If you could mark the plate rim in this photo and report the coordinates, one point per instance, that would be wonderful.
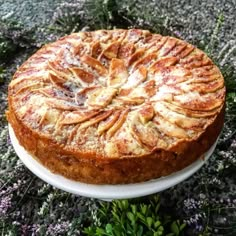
(106, 192)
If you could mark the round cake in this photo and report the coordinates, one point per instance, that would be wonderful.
(117, 106)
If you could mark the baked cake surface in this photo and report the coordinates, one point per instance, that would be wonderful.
(117, 106)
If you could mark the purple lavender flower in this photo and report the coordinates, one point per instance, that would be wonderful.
(8, 140)
(178, 33)
(5, 204)
(57, 229)
(29, 229)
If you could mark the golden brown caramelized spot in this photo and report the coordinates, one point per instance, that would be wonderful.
(163, 62)
(85, 76)
(111, 51)
(57, 80)
(146, 113)
(95, 64)
(118, 73)
(96, 49)
(144, 61)
(126, 50)
(134, 57)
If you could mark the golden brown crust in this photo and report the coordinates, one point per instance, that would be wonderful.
(119, 106)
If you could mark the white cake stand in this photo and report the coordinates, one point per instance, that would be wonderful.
(106, 192)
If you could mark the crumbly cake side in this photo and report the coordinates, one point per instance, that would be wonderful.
(117, 106)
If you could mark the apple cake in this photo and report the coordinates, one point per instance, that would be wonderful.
(117, 106)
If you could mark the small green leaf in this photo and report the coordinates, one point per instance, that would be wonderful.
(125, 204)
(144, 209)
(117, 230)
(115, 216)
(140, 230)
(182, 226)
(159, 233)
(157, 207)
(161, 229)
(134, 209)
(131, 217)
(89, 231)
(156, 198)
(109, 228)
(170, 234)
(157, 224)
(174, 228)
(100, 231)
(141, 217)
(118, 204)
(129, 229)
(149, 222)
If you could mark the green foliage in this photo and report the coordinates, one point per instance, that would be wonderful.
(17, 33)
(229, 74)
(2, 74)
(109, 14)
(214, 39)
(98, 14)
(230, 116)
(68, 19)
(13, 37)
(103, 14)
(125, 217)
(7, 48)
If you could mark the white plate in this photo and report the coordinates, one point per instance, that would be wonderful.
(106, 192)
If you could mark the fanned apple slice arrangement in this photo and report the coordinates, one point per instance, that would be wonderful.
(119, 92)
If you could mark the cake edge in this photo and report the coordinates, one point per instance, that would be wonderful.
(89, 168)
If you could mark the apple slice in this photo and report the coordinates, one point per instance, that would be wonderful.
(101, 116)
(101, 97)
(77, 116)
(83, 75)
(108, 123)
(111, 51)
(118, 73)
(146, 113)
(163, 62)
(118, 124)
(95, 64)
(136, 78)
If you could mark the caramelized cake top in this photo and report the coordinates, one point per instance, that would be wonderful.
(118, 93)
